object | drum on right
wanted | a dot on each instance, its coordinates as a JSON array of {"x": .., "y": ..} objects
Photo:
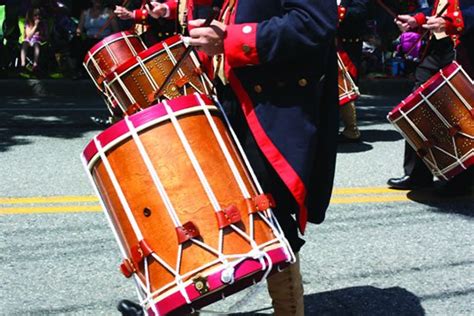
[{"x": 437, "y": 120}]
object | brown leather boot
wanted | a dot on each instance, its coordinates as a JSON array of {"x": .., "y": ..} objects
[
  {"x": 286, "y": 290},
  {"x": 349, "y": 118}
]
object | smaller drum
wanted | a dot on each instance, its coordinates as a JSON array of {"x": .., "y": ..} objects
[
  {"x": 109, "y": 53},
  {"x": 348, "y": 91},
  {"x": 437, "y": 120},
  {"x": 190, "y": 218},
  {"x": 134, "y": 83}
]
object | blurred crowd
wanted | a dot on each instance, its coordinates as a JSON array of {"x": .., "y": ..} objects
[{"x": 49, "y": 38}]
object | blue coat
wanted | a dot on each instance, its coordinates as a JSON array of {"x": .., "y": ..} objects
[{"x": 281, "y": 63}]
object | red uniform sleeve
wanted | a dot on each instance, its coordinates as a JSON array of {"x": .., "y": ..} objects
[
  {"x": 140, "y": 15},
  {"x": 240, "y": 45},
  {"x": 420, "y": 18}
]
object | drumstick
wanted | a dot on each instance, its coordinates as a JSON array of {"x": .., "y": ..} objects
[
  {"x": 426, "y": 32},
  {"x": 207, "y": 22}
]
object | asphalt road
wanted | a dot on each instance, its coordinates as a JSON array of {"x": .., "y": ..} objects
[{"x": 380, "y": 251}]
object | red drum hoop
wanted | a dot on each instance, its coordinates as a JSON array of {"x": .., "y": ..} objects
[
  {"x": 437, "y": 120},
  {"x": 348, "y": 91},
  {"x": 192, "y": 225},
  {"x": 135, "y": 82},
  {"x": 105, "y": 56}
]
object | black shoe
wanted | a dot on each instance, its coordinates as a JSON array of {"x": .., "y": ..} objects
[
  {"x": 408, "y": 183},
  {"x": 343, "y": 139},
  {"x": 129, "y": 308}
]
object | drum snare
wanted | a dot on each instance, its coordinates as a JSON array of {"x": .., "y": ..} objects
[{"x": 437, "y": 120}]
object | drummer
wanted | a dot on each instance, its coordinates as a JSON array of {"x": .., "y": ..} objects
[
  {"x": 277, "y": 79},
  {"x": 352, "y": 18},
  {"x": 445, "y": 34},
  {"x": 276, "y": 76}
]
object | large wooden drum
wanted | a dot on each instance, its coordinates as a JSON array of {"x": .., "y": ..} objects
[
  {"x": 192, "y": 224},
  {"x": 437, "y": 120},
  {"x": 135, "y": 83}
]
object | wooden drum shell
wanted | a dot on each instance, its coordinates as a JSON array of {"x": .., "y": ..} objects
[
  {"x": 135, "y": 83},
  {"x": 438, "y": 121},
  {"x": 104, "y": 57},
  {"x": 183, "y": 187}
]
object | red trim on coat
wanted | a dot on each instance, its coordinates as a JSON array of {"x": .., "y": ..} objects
[
  {"x": 240, "y": 45},
  {"x": 285, "y": 171},
  {"x": 283, "y": 168}
]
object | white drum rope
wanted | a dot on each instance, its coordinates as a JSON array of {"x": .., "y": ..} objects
[
  {"x": 230, "y": 162},
  {"x": 206, "y": 82},
  {"x": 118, "y": 189},
  {"x": 254, "y": 179},
  {"x": 187, "y": 147},
  {"x": 125, "y": 89},
  {"x": 111, "y": 53},
  {"x": 148, "y": 75},
  {"x": 151, "y": 170},
  {"x": 119, "y": 240},
  {"x": 173, "y": 59},
  {"x": 456, "y": 91},
  {"x": 129, "y": 44},
  {"x": 239, "y": 146}
]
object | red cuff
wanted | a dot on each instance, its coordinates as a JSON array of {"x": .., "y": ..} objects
[
  {"x": 420, "y": 18},
  {"x": 341, "y": 13},
  {"x": 454, "y": 23},
  {"x": 240, "y": 45},
  {"x": 140, "y": 15},
  {"x": 172, "y": 9}
]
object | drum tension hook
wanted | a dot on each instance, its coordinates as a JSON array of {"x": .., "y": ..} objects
[{"x": 200, "y": 284}]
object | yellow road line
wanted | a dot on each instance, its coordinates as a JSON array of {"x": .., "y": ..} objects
[
  {"x": 368, "y": 190},
  {"x": 91, "y": 198},
  {"x": 49, "y": 199},
  {"x": 51, "y": 209},
  {"x": 369, "y": 199},
  {"x": 356, "y": 195}
]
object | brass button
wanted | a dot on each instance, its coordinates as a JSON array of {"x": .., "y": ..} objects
[
  {"x": 246, "y": 48},
  {"x": 302, "y": 82},
  {"x": 258, "y": 88},
  {"x": 459, "y": 29}
]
